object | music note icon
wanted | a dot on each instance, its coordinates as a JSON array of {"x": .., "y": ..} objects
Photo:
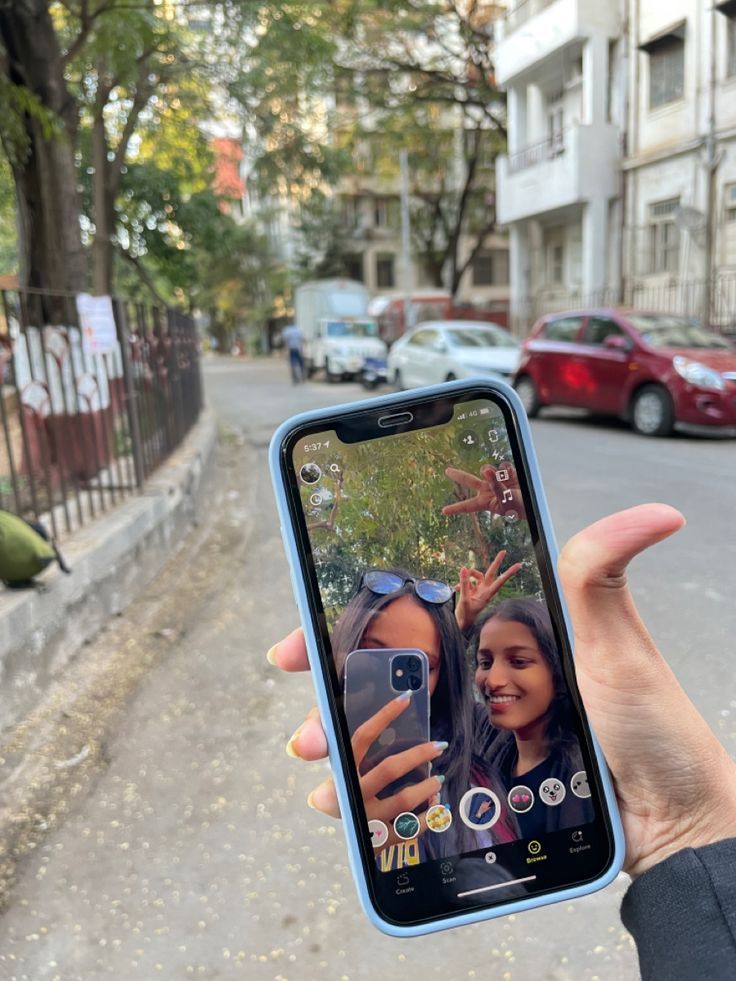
[{"x": 507, "y": 497}]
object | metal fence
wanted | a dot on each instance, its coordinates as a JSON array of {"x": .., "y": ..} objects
[
  {"x": 80, "y": 430},
  {"x": 711, "y": 301}
]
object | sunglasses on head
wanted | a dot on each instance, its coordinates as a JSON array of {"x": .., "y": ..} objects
[{"x": 384, "y": 583}]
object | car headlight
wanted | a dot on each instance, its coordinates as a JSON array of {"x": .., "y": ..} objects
[{"x": 698, "y": 374}]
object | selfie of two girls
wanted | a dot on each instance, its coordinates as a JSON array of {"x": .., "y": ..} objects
[
  {"x": 501, "y": 732},
  {"x": 474, "y": 744}
]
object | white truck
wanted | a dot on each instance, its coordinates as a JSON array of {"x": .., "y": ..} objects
[{"x": 338, "y": 333}]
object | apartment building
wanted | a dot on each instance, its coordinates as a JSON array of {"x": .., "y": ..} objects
[
  {"x": 620, "y": 178},
  {"x": 369, "y": 200},
  {"x": 680, "y": 165},
  {"x": 371, "y": 209},
  {"x": 559, "y": 186}
]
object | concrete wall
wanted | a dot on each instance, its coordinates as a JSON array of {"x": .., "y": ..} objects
[{"x": 112, "y": 560}]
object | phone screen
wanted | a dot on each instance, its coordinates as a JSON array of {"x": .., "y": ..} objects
[{"x": 425, "y": 535}]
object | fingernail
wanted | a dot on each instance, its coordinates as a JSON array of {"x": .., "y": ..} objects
[
  {"x": 441, "y": 746},
  {"x": 271, "y": 655},
  {"x": 405, "y": 695},
  {"x": 310, "y": 801},
  {"x": 440, "y": 778},
  {"x": 290, "y": 751}
]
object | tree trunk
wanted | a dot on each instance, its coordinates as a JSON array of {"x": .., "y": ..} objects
[{"x": 50, "y": 243}]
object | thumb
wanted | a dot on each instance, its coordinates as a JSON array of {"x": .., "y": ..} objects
[{"x": 593, "y": 566}]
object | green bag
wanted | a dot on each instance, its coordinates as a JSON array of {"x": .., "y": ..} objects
[{"x": 23, "y": 552}]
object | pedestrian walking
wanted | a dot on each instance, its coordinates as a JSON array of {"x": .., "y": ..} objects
[{"x": 294, "y": 340}]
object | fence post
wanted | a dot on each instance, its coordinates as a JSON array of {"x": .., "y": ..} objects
[{"x": 131, "y": 396}]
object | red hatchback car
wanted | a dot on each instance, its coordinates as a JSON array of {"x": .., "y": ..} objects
[{"x": 654, "y": 370}]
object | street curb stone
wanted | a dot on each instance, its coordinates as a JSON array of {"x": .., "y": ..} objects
[{"x": 113, "y": 559}]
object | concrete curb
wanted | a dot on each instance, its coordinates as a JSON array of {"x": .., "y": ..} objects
[{"x": 113, "y": 559}]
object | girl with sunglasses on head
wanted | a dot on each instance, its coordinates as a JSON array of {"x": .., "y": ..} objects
[
  {"x": 393, "y": 610},
  {"x": 535, "y": 751}
]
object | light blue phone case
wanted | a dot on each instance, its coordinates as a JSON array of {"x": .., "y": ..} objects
[{"x": 310, "y": 634}]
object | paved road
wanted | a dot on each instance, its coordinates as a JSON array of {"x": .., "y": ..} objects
[{"x": 190, "y": 853}]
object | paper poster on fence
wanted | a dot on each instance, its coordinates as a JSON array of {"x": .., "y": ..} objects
[{"x": 97, "y": 321}]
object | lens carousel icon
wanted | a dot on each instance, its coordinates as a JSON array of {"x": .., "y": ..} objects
[
  {"x": 378, "y": 832},
  {"x": 521, "y": 799},
  {"x": 406, "y": 825},
  {"x": 439, "y": 818}
]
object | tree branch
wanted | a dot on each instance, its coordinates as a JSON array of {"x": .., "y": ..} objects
[
  {"x": 143, "y": 93},
  {"x": 143, "y": 274},
  {"x": 480, "y": 242}
]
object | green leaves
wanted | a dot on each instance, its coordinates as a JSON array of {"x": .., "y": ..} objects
[{"x": 390, "y": 515}]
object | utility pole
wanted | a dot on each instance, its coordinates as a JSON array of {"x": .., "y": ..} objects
[{"x": 406, "y": 242}]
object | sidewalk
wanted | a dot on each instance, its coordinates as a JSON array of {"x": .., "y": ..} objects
[{"x": 112, "y": 560}]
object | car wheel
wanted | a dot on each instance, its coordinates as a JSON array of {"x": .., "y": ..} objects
[
  {"x": 451, "y": 377},
  {"x": 398, "y": 381},
  {"x": 527, "y": 392},
  {"x": 331, "y": 375},
  {"x": 652, "y": 413}
]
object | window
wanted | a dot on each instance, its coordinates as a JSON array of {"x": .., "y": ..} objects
[
  {"x": 666, "y": 67},
  {"x": 555, "y": 264},
  {"x": 562, "y": 329},
  {"x": 599, "y": 328},
  {"x": 350, "y": 211},
  {"x": 556, "y": 123},
  {"x": 354, "y": 267},
  {"x": 731, "y": 45},
  {"x": 385, "y": 271},
  {"x": 664, "y": 236},
  {"x": 730, "y": 202},
  {"x": 344, "y": 89},
  {"x": 728, "y": 235},
  {"x": 385, "y": 212},
  {"x": 423, "y": 338},
  {"x": 490, "y": 268}
]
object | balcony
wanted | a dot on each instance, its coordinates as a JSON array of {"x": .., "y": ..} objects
[
  {"x": 535, "y": 29},
  {"x": 579, "y": 164}
]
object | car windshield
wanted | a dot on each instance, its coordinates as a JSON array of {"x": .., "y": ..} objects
[
  {"x": 484, "y": 337},
  {"x": 676, "y": 332},
  {"x": 352, "y": 328}
]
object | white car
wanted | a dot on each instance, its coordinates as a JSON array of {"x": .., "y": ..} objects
[{"x": 444, "y": 350}]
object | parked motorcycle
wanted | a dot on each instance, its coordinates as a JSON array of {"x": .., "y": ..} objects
[{"x": 374, "y": 373}]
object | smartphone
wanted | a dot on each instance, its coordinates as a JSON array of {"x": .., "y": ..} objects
[
  {"x": 383, "y": 503},
  {"x": 373, "y": 678}
]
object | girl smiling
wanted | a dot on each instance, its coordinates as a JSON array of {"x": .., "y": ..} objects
[{"x": 536, "y": 751}]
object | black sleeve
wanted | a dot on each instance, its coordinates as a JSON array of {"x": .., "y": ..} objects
[{"x": 682, "y": 915}]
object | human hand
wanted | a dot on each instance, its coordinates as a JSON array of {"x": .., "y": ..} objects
[
  {"x": 309, "y": 743},
  {"x": 675, "y": 783},
  {"x": 477, "y": 589},
  {"x": 392, "y": 768},
  {"x": 499, "y": 496}
]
